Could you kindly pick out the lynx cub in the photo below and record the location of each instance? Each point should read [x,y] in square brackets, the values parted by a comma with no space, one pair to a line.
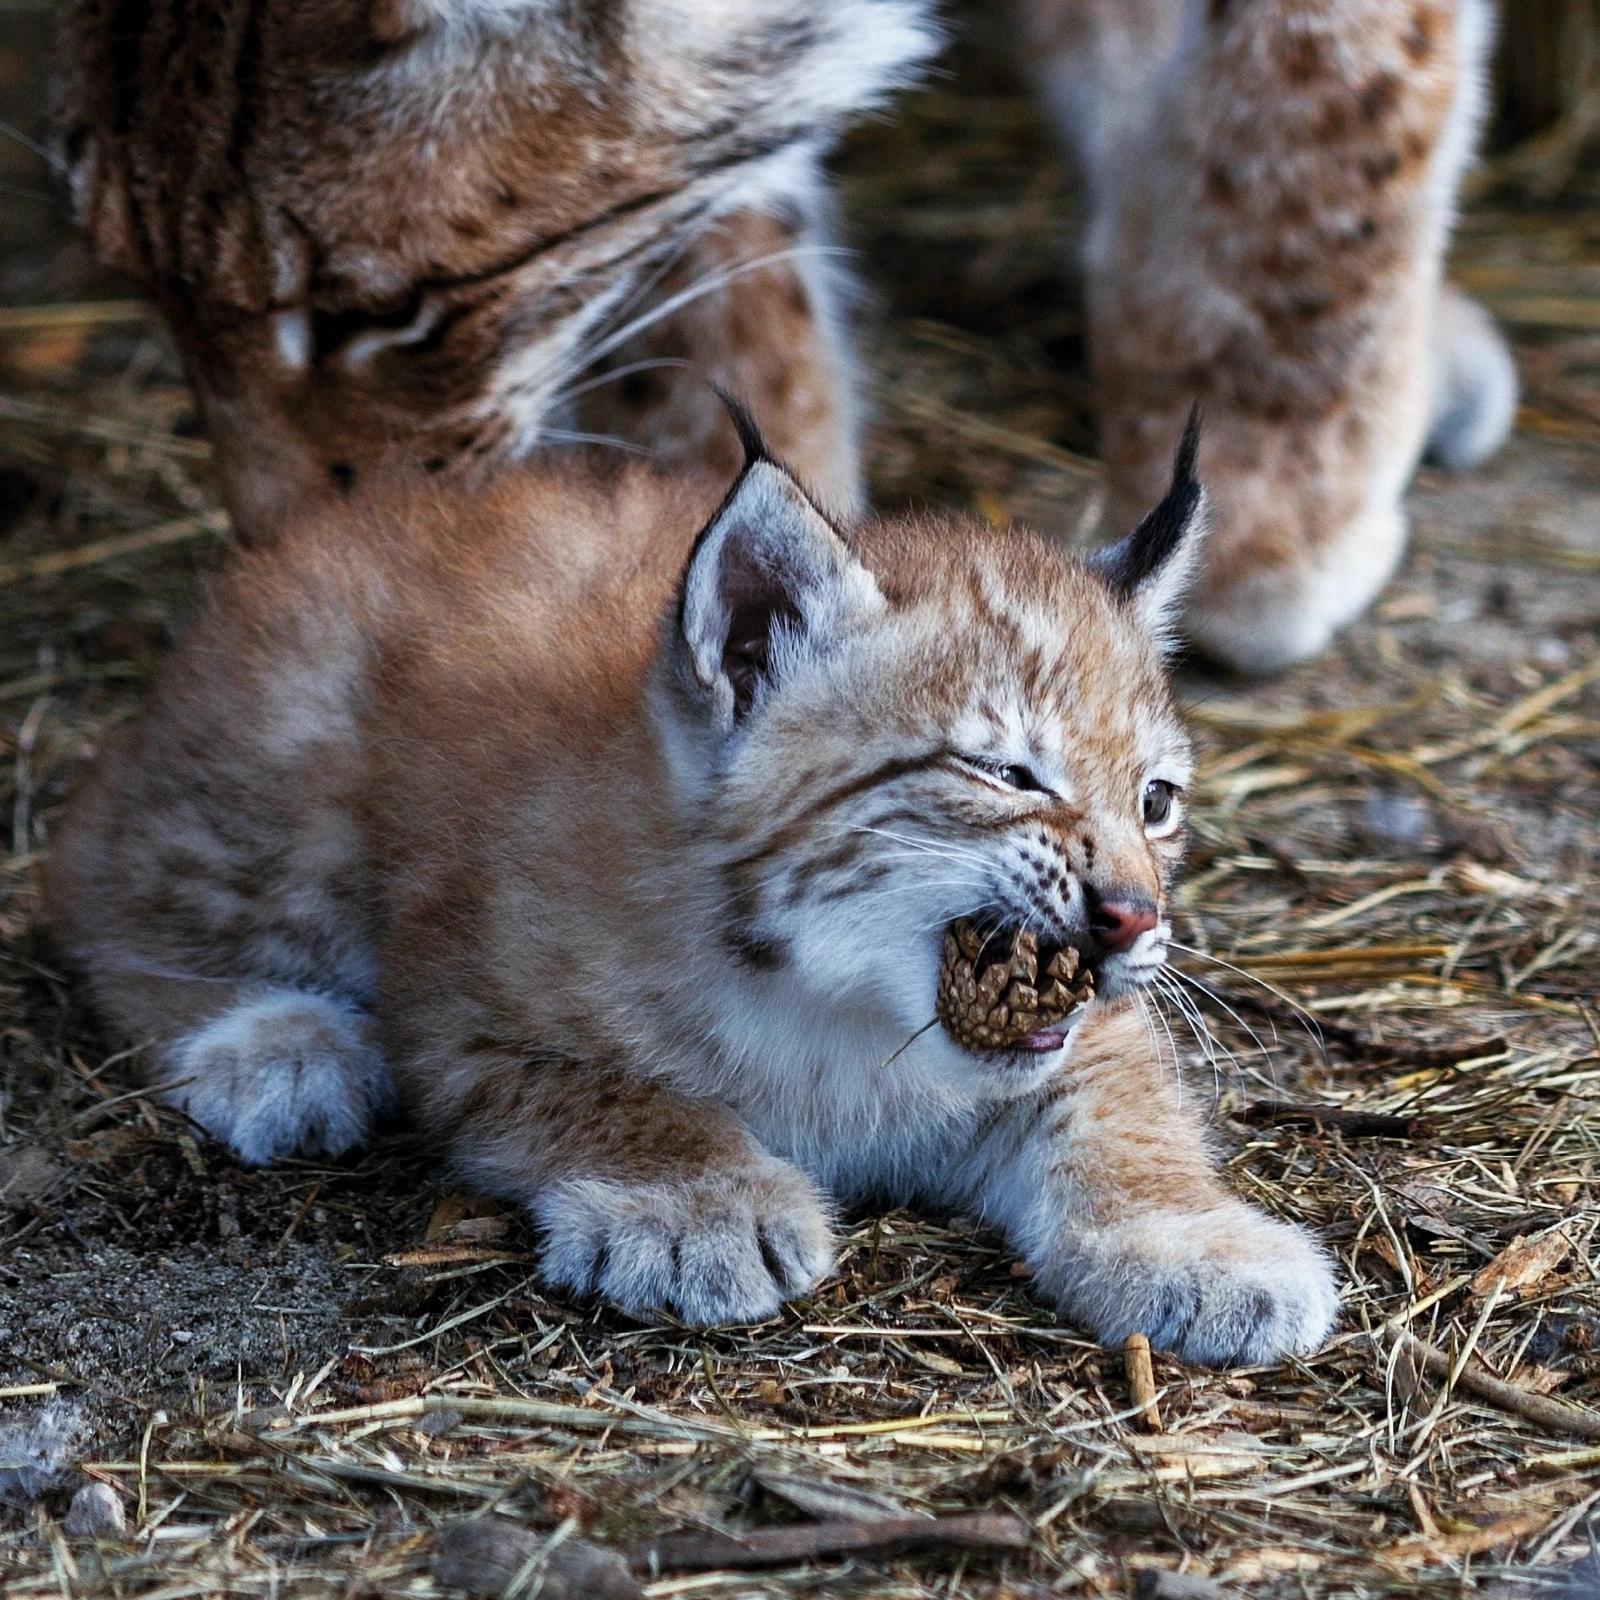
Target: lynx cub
[626,857]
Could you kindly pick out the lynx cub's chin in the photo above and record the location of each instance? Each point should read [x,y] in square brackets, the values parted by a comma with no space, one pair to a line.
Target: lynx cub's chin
[643,862]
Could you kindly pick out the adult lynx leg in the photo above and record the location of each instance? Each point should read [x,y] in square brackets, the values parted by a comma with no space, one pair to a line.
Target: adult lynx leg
[770,335]
[1268,216]
[1105,1185]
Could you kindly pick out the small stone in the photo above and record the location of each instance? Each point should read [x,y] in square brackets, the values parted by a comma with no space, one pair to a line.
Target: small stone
[439,1422]
[487,1555]
[1176,1586]
[1394,819]
[95,1513]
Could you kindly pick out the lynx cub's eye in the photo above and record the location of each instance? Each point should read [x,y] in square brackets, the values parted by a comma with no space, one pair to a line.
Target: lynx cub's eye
[1160,808]
[1009,773]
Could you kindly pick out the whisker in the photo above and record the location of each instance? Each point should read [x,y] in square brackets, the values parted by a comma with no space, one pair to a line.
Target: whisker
[1211,994]
[927,884]
[567,436]
[1198,1025]
[640,291]
[1198,1029]
[701,287]
[43,197]
[616,374]
[1155,1044]
[931,1023]
[1261,1049]
[926,847]
[1312,1027]
[51,158]
[1177,1064]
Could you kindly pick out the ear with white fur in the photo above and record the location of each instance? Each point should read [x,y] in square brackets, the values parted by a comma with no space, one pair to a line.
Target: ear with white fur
[768,573]
[1152,567]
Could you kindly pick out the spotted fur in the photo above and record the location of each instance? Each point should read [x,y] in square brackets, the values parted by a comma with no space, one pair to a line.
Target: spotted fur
[1271,187]
[632,849]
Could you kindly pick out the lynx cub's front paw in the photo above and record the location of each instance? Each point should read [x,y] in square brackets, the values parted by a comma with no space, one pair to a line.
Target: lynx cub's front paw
[285,1073]
[1227,1287]
[711,1248]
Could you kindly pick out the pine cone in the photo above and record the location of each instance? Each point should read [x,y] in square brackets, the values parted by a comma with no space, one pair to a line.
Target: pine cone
[988,1000]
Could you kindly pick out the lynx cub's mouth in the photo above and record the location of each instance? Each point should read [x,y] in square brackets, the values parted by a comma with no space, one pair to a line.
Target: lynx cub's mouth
[1000,990]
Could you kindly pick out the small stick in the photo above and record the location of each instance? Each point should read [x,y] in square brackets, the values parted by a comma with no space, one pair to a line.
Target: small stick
[74,314]
[1142,1380]
[1556,1415]
[1356,1124]
[776,1547]
[113,549]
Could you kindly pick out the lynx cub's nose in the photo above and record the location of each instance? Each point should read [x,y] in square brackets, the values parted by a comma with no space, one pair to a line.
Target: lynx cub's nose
[1117,923]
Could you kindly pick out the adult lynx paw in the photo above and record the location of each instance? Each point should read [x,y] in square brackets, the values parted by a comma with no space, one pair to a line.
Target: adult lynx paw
[1474,385]
[1228,1287]
[287,1073]
[715,1248]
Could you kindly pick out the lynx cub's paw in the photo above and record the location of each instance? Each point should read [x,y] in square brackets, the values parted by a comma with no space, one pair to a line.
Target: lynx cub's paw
[287,1073]
[1228,1287]
[718,1247]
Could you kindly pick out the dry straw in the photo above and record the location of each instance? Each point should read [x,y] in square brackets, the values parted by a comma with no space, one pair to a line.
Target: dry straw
[1392,946]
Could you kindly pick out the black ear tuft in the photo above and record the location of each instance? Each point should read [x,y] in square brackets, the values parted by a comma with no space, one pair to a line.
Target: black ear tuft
[1131,563]
[767,564]
[754,446]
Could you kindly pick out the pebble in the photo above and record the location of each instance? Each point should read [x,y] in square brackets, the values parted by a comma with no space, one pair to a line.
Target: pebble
[95,1513]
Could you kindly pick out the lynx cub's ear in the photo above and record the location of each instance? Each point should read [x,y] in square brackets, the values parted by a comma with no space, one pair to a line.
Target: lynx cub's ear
[1153,565]
[768,569]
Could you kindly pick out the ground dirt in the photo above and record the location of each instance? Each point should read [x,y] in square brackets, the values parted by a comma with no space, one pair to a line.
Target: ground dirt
[290,1380]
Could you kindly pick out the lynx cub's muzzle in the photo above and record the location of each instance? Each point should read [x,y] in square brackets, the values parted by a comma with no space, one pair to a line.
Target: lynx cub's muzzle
[1000,990]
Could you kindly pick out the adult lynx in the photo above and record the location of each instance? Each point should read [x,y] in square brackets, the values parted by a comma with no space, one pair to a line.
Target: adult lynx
[411,231]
